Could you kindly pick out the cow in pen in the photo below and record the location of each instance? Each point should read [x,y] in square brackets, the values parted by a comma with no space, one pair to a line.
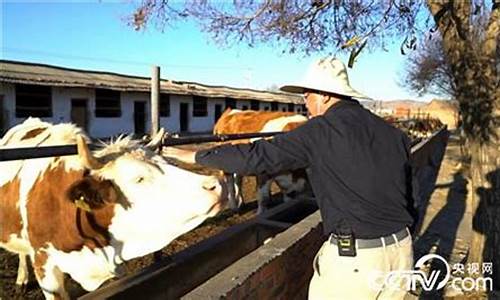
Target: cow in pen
[292,184]
[85,214]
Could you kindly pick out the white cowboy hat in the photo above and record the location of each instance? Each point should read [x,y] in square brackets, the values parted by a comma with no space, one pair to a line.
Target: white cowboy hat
[325,75]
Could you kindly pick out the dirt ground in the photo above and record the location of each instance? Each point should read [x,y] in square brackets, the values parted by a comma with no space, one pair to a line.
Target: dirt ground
[9,261]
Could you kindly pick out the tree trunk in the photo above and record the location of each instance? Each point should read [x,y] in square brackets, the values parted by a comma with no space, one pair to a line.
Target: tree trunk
[475,76]
[484,200]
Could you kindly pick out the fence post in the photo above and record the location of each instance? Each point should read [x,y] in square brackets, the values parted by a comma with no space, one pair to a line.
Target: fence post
[155,100]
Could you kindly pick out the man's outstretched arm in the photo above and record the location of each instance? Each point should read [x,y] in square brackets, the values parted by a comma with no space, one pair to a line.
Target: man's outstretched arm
[288,151]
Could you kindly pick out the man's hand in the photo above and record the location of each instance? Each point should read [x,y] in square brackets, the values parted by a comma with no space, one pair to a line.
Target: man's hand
[186,156]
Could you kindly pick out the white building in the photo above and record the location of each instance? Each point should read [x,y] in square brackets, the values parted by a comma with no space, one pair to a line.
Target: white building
[107,104]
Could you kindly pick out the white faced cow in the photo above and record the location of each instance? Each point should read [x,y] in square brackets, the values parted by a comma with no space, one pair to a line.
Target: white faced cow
[84,215]
[234,121]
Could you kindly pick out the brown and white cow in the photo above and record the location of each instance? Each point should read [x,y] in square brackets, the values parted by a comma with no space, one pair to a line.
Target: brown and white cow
[85,214]
[234,121]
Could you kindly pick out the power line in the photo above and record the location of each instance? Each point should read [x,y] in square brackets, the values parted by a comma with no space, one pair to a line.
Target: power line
[116,61]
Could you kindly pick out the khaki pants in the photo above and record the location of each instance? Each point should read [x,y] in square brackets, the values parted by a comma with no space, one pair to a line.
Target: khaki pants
[360,277]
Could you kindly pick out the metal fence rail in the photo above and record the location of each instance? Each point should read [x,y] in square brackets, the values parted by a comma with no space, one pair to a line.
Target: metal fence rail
[63,150]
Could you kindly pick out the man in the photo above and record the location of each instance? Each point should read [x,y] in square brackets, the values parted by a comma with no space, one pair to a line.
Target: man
[360,175]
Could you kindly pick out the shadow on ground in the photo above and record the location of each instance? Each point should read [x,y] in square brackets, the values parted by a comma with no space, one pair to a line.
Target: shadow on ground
[439,237]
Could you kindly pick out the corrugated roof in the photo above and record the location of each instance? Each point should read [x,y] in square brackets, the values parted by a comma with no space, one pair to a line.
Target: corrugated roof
[31,73]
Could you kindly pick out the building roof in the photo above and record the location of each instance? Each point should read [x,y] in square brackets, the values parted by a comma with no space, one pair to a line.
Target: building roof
[40,74]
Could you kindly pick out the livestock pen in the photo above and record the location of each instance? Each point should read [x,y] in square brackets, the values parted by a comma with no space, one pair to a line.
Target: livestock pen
[244,255]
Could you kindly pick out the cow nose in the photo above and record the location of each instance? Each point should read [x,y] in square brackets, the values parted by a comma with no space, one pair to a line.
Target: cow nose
[210,184]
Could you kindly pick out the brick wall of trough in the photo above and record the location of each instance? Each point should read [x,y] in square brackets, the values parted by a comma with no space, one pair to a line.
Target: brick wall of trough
[280,269]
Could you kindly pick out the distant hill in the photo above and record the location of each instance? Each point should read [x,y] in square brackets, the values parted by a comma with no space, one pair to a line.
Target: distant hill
[393,104]
[445,110]
[403,103]
[413,104]
[442,104]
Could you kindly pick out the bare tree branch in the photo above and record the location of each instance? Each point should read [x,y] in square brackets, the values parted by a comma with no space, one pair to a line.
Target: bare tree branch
[308,27]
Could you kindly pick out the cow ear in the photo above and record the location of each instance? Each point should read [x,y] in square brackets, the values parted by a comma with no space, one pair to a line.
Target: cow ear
[91,193]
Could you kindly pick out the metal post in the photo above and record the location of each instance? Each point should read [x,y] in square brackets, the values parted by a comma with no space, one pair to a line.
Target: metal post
[155,100]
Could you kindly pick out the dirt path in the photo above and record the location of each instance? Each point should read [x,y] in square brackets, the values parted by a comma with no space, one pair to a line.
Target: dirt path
[447,221]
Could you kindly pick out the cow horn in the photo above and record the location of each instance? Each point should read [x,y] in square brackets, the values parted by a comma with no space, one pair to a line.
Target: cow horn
[156,140]
[88,160]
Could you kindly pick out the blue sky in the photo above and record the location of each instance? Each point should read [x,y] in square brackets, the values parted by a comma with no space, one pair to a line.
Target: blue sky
[94,36]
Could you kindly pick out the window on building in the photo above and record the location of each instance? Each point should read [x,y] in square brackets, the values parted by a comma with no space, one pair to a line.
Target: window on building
[274,106]
[107,104]
[33,101]
[244,107]
[266,108]
[230,102]
[254,105]
[283,109]
[290,107]
[164,105]
[199,106]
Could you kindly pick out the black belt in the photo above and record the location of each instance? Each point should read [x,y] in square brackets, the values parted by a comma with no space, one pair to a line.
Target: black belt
[378,242]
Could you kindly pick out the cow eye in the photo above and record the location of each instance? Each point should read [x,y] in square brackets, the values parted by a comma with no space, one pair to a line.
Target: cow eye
[139,179]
